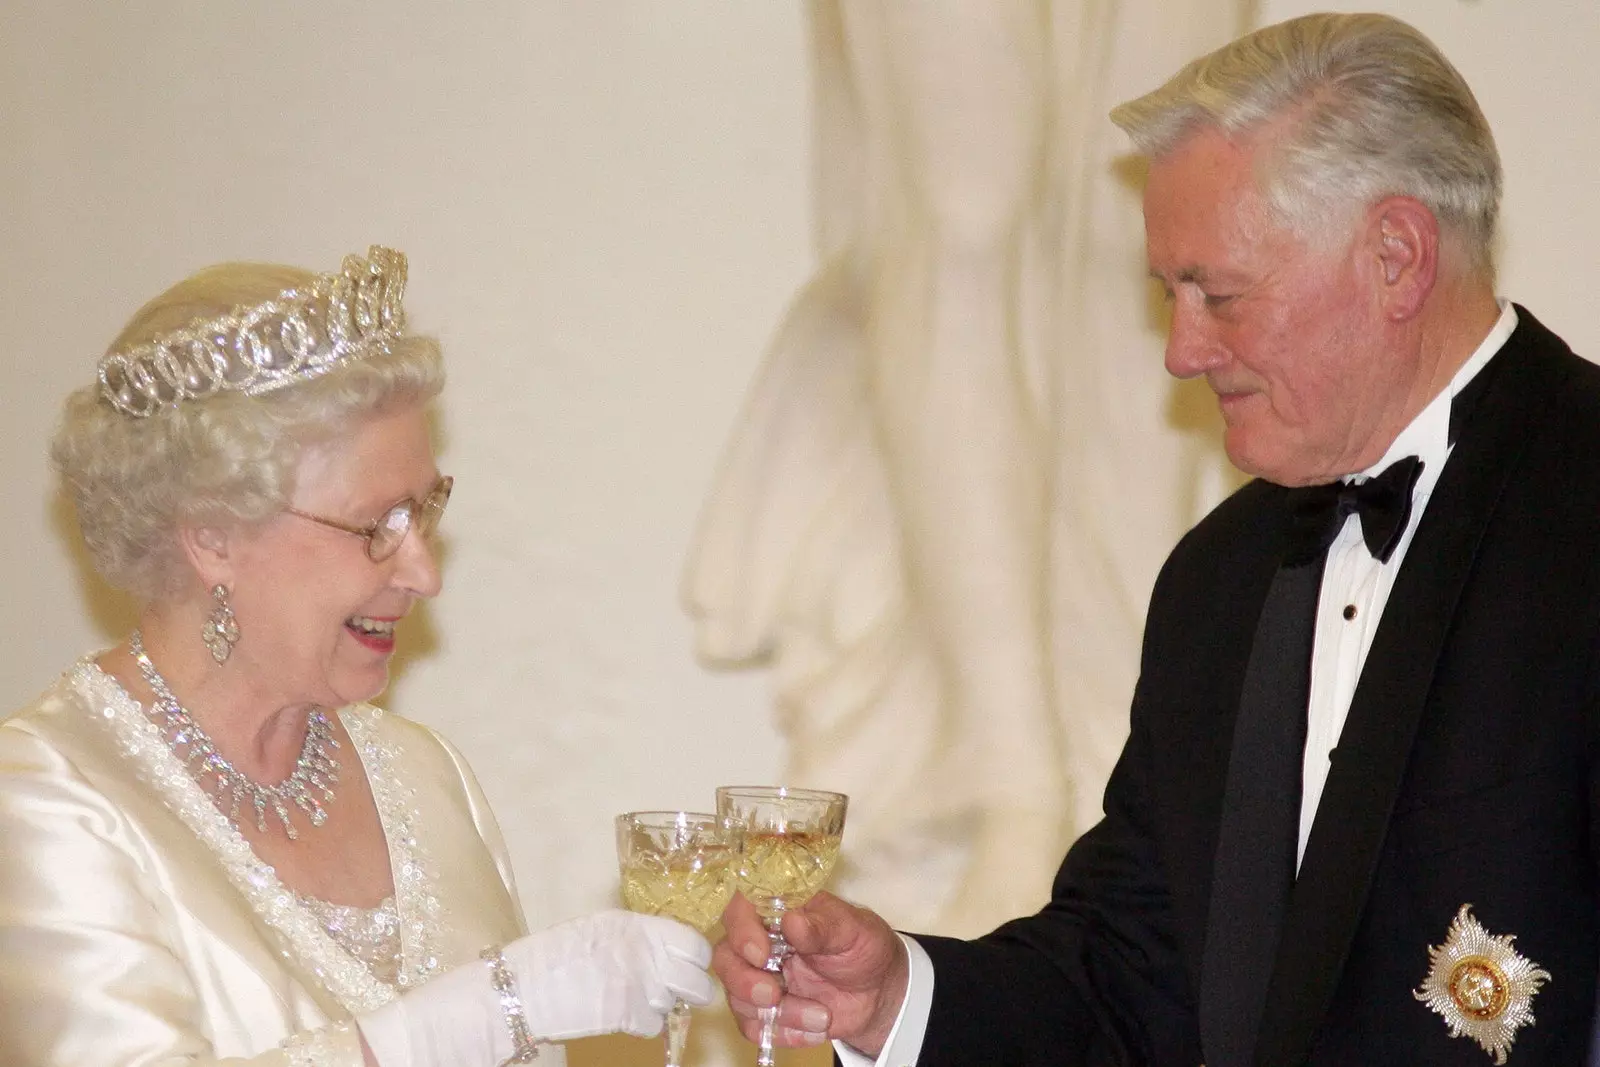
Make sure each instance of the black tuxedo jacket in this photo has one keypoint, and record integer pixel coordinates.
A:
(1465, 774)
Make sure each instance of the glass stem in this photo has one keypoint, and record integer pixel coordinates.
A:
(769, 1016)
(677, 1034)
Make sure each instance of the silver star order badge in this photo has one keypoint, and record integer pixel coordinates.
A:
(1480, 985)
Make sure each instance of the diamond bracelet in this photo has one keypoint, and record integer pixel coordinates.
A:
(523, 1049)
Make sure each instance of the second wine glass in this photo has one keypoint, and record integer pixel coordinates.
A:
(787, 842)
(678, 864)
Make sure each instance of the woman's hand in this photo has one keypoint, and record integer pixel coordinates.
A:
(611, 972)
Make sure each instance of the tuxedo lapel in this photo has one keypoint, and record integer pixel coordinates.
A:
(1194, 748)
(1369, 764)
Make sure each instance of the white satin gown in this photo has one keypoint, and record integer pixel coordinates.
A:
(138, 929)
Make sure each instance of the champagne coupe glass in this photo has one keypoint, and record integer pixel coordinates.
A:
(678, 864)
(787, 842)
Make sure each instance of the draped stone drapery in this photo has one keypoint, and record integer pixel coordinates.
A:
(961, 463)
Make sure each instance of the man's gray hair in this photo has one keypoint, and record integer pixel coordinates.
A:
(1368, 108)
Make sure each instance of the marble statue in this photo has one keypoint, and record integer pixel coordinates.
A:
(961, 463)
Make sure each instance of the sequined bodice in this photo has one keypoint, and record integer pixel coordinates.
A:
(325, 945)
(371, 935)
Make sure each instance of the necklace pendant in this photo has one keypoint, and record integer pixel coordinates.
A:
(308, 804)
(283, 815)
(315, 767)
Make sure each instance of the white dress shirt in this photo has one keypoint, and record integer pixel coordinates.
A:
(1355, 589)
(1355, 585)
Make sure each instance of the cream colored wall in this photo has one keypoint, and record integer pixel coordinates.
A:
(606, 209)
(1531, 65)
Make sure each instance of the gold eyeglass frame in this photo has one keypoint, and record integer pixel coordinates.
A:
(420, 516)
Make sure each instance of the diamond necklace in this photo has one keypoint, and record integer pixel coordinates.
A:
(308, 785)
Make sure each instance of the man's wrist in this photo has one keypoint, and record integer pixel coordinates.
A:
(903, 1045)
(892, 1001)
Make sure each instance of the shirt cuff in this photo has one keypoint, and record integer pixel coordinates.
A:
(910, 1026)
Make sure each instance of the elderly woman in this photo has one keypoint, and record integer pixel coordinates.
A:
(214, 849)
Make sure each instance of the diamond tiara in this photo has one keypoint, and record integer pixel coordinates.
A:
(301, 334)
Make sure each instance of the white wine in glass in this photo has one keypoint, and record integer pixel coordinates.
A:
(678, 864)
(787, 842)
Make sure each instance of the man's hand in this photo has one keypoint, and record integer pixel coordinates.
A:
(846, 975)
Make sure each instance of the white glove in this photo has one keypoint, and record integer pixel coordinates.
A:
(610, 972)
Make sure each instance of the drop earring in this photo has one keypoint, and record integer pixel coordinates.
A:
(221, 630)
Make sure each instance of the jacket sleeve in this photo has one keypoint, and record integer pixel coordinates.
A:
(1098, 976)
(1095, 977)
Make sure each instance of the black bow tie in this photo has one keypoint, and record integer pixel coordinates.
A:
(1317, 512)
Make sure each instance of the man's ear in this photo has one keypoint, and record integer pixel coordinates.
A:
(1405, 237)
(208, 551)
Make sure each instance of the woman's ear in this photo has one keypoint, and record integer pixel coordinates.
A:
(208, 551)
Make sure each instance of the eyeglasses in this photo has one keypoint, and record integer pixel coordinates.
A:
(388, 533)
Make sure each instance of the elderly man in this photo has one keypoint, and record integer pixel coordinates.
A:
(1352, 822)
